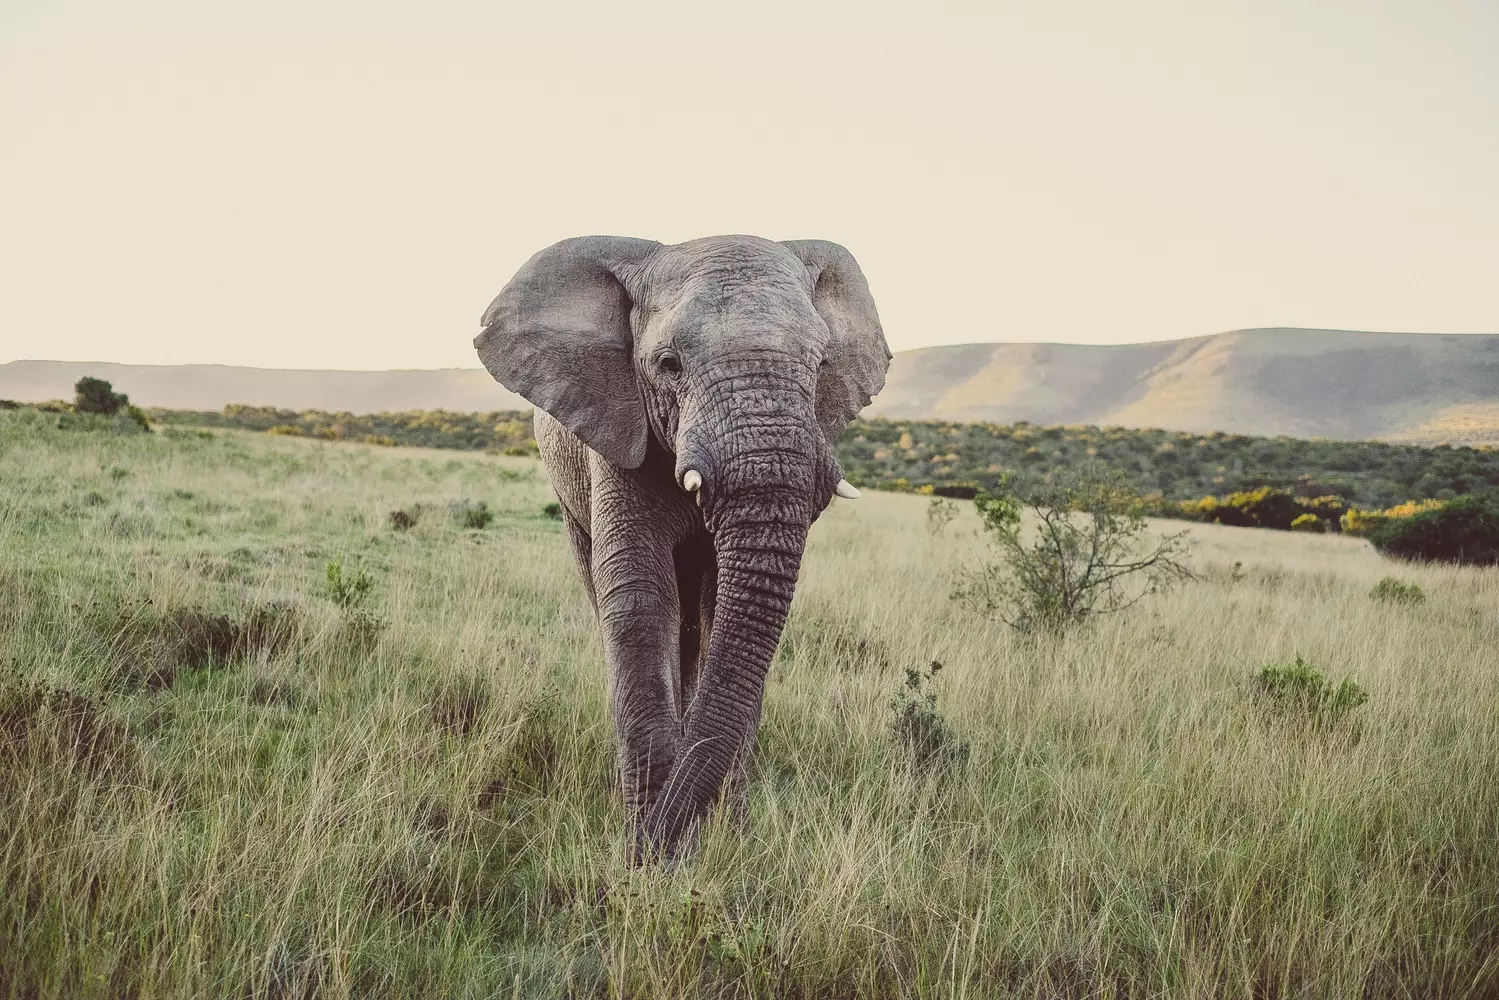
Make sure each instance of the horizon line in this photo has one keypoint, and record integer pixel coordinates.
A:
(909, 350)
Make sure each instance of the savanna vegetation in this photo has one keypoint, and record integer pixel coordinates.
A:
(1281, 483)
(286, 718)
(504, 431)
(1175, 465)
(1466, 530)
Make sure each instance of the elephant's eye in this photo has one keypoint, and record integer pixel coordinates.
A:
(669, 362)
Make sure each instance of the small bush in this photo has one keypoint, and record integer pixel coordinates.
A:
(347, 590)
(1391, 589)
(918, 726)
(552, 510)
(1308, 522)
(361, 629)
(1464, 530)
(403, 520)
(1089, 555)
(1300, 691)
(472, 513)
(94, 395)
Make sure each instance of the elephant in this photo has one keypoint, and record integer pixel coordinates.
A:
(688, 399)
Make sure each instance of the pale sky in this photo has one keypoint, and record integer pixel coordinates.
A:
(347, 185)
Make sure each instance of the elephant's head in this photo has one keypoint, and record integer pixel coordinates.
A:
(743, 359)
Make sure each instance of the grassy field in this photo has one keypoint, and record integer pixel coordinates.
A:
(218, 781)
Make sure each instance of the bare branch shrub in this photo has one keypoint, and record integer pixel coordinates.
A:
(1088, 554)
(940, 512)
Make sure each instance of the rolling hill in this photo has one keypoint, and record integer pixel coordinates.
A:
(212, 387)
(1338, 384)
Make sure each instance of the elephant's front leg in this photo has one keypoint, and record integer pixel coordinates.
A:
(640, 620)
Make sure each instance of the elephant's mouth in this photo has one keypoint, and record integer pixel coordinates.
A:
(692, 481)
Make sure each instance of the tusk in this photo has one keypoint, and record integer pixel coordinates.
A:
(691, 481)
(846, 490)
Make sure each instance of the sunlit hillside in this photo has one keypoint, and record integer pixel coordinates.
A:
(260, 738)
(1340, 384)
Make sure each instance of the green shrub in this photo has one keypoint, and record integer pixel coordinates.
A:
(1299, 690)
(1363, 523)
(94, 395)
(1265, 507)
(404, 520)
(1307, 522)
(1464, 530)
(472, 513)
(1391, 589)
(552, 510)
(347, 590)
(918, 726)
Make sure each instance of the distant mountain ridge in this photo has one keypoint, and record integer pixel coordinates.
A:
(1338, 384)
(212, 387)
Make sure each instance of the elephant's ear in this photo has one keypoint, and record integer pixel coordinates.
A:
(857, 355)
(559, 335)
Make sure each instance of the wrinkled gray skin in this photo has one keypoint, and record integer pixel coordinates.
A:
(736, 357)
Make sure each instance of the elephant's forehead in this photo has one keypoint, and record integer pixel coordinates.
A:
(726, 267)
(726, 290)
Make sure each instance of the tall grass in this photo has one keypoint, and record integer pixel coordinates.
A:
(414, 796)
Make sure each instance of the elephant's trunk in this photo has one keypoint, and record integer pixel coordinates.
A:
(759, 550)
(773, 471)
